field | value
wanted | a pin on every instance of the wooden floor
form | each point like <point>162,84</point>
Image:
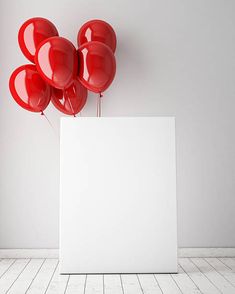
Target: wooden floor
<point>196,275</point>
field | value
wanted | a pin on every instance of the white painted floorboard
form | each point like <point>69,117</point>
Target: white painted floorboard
<point>221,268</point>
<point>131,284</point>
<point>25,279</point>
<point>195,276</point>
<point>58,284</point>
<point>112,284</point>
<point>167,284</point>
<point>217,279</point>
<point>94,284</point>
<point>230,262</point>
<point>41,282</point>
<point>76,284</point>
<point>11,275</point>
<point>4,265</point>
<point>149,284</point>
<point>185,283</point>
<point>202,282</point>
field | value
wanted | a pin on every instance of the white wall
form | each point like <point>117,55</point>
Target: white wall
<point>174,57</point>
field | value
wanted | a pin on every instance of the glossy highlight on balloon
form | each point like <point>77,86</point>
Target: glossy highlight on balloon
<point>28,89</point>
<point>97,30</point>
<point>32,33</point>
<point>57,62</point>
<point>70,101</point>
<point>97,66</point>
<point>61,73</point>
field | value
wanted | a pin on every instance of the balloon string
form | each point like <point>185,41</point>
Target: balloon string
<point>100,104</point>
<point>97,106</point>
<point>42,113</point>
<point>70,104</point>
<point>98,110</point>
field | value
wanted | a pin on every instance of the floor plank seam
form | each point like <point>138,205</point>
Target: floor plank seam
<point>66,285</point>
<point>8,268</point>
<point>51,277</point>
<point>176,284</point>
<point>85,285</point>
<point>225,264</point>
<point>120,276</point>
<point>206,277</point>
<point>139,283</point>
<point>158,284</point>
<point>191,279</point>
<point>18,275</point>
<point>219,273</point>
<point>35,275</point>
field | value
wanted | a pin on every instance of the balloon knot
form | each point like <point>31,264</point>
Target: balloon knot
<point>101,95</point>
<point>74,115</point>
<point>42,113</point>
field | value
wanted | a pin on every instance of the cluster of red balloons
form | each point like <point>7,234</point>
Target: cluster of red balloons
<point>61,73</point>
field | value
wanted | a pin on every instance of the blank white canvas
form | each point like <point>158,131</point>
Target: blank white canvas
<point>118,195</point>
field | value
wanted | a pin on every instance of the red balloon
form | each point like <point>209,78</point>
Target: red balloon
<point>28,89</point>
<point>57,62</point>
<point>71,100</point>
<point>32,33</point>
<point>97,66</point>
<point>97,30</point>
